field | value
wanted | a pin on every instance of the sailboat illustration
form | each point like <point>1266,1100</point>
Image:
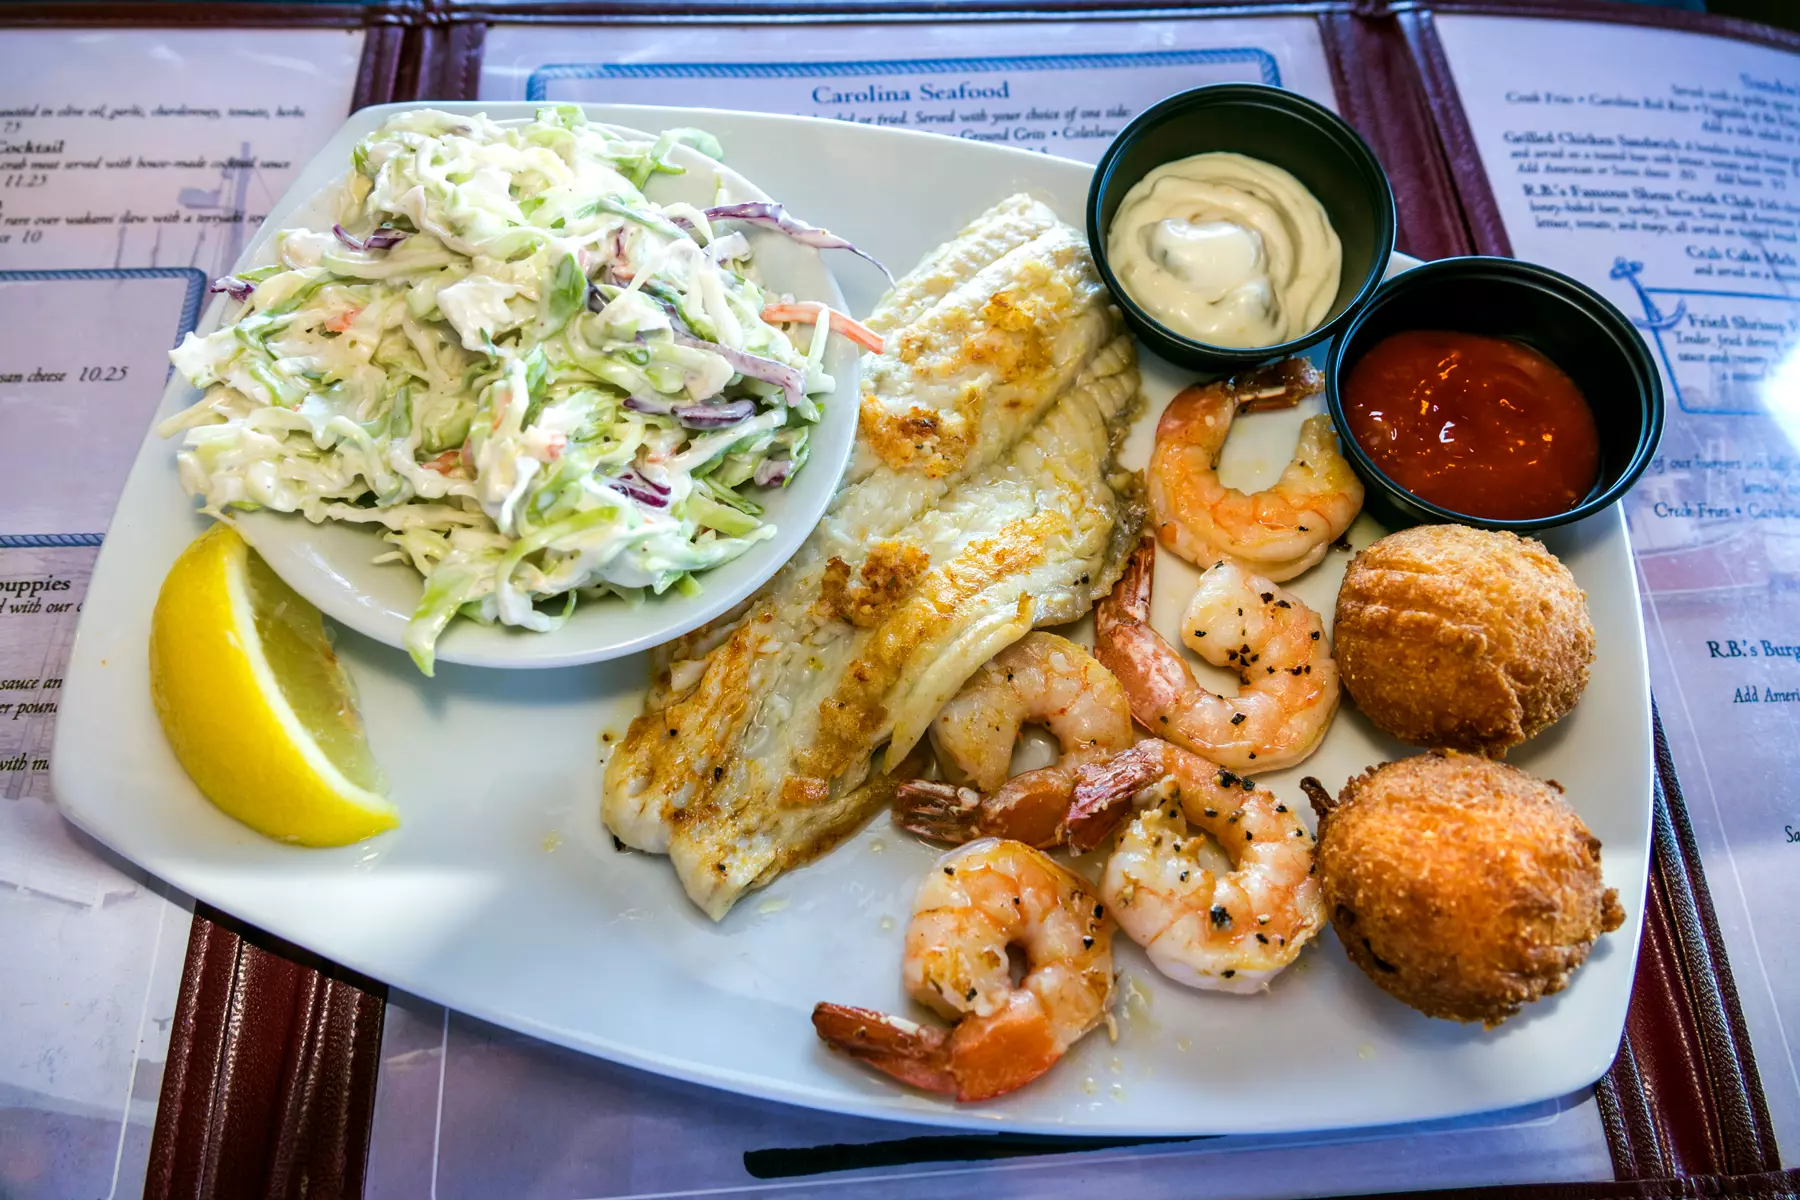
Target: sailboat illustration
<point>229,198</point>
<point>1654,318</point>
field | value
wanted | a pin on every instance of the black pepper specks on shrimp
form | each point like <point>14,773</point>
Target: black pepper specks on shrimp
<point>1004,1033</point>
<point>1283,707</point>
<point>1232,930</point>
<point>1278,532</point>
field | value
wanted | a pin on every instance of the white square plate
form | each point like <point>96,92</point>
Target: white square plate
<point>501,895</point>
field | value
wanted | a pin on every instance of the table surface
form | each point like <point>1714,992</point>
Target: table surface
<point>192,132</point>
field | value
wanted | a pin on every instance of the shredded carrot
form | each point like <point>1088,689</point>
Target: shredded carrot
<point>808,312</point>
<point>341,321</point>
<point>444,463</point>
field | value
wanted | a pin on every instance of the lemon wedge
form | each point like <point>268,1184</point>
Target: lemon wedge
<point>256,705</point>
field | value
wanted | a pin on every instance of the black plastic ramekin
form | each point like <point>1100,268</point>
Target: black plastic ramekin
<point>1307,140</point>
<point>1567,322</point>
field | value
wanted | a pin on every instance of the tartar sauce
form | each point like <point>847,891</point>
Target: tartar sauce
<point>1227,249</point>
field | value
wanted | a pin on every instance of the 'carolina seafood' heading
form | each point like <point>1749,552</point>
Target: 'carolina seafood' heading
<point>875,93</point>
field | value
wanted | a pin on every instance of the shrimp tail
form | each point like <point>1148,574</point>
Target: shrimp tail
<point>1033,808</point>
<point>1129,603</point>
<point>1106,792</point>
<point>1322,801</point>
<point>1002,1053</point>
<point>918,1055</point>
<point>1154,676</point>
<point>1276,385</point>
<point>937,812</point>
<point>1093,815</point>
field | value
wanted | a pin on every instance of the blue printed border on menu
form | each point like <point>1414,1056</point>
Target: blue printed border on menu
<point>537,86</point>
<point>190,316</point>
<point>1654,328</point>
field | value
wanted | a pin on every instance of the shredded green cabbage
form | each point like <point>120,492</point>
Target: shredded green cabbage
<point>519,389</point>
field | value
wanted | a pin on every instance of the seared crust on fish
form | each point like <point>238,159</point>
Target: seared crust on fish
<point>755,754</point>
<point>865,597</point>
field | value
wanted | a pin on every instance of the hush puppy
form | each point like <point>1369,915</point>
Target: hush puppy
<point>1462,638</point>
<point>1461,886</point>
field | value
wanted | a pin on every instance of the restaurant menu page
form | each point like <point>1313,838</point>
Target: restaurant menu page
<point>1063,88</point>
<point>465,1109</point>
<point>134,164</point>
<point>1663,169</point>
<point>158,148</point>
<point>574,1126</point>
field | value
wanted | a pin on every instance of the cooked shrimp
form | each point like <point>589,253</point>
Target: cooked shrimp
<point>1239,621</point>
<point>979,901</point>
<point>1041,678</point>
<point>1277,532</point>
<point>1230,932</point>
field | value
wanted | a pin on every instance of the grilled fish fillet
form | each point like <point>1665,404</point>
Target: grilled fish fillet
<point>754,755</point>
<point>975,367</point>
<point>970,374</point>
<point>1004,227</point>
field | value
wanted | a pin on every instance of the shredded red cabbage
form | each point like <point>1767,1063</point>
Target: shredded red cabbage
<point>231,285</point>
<point>774,216</point>
<point>644,404</point>
<point>645,491</point>
<point>714,416</point>
<point>771,472</point>
<point>382,239</point>
<point>661,489</point>
<point>752,366</point>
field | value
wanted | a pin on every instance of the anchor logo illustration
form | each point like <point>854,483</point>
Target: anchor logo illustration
<point>1653,318</point>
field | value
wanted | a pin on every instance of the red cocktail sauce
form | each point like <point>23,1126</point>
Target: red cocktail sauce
<point>1484,426</point>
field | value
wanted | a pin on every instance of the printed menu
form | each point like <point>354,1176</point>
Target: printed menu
<point>1663,169</point>
<point>158,148</point>
<point>1058,87</point>
<point>604,1130</point>
<point>579,1126</point>
<point>134,164</point>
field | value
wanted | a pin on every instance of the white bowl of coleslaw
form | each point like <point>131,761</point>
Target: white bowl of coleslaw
<point>523,393</point>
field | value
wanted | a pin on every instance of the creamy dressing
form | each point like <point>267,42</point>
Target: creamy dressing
<point>484,384</point>
<point>1227,250</point>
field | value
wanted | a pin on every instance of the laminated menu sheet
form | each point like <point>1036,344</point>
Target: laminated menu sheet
<point>1060,87</point>
<point>175,142</point>
<point>157,147</point>
<point>576,1126</point>
<point>464,1109</point>
<point>134,164</point>
<point>1663,169</point>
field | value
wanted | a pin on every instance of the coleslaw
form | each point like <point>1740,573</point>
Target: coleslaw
<point>539,383</point>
